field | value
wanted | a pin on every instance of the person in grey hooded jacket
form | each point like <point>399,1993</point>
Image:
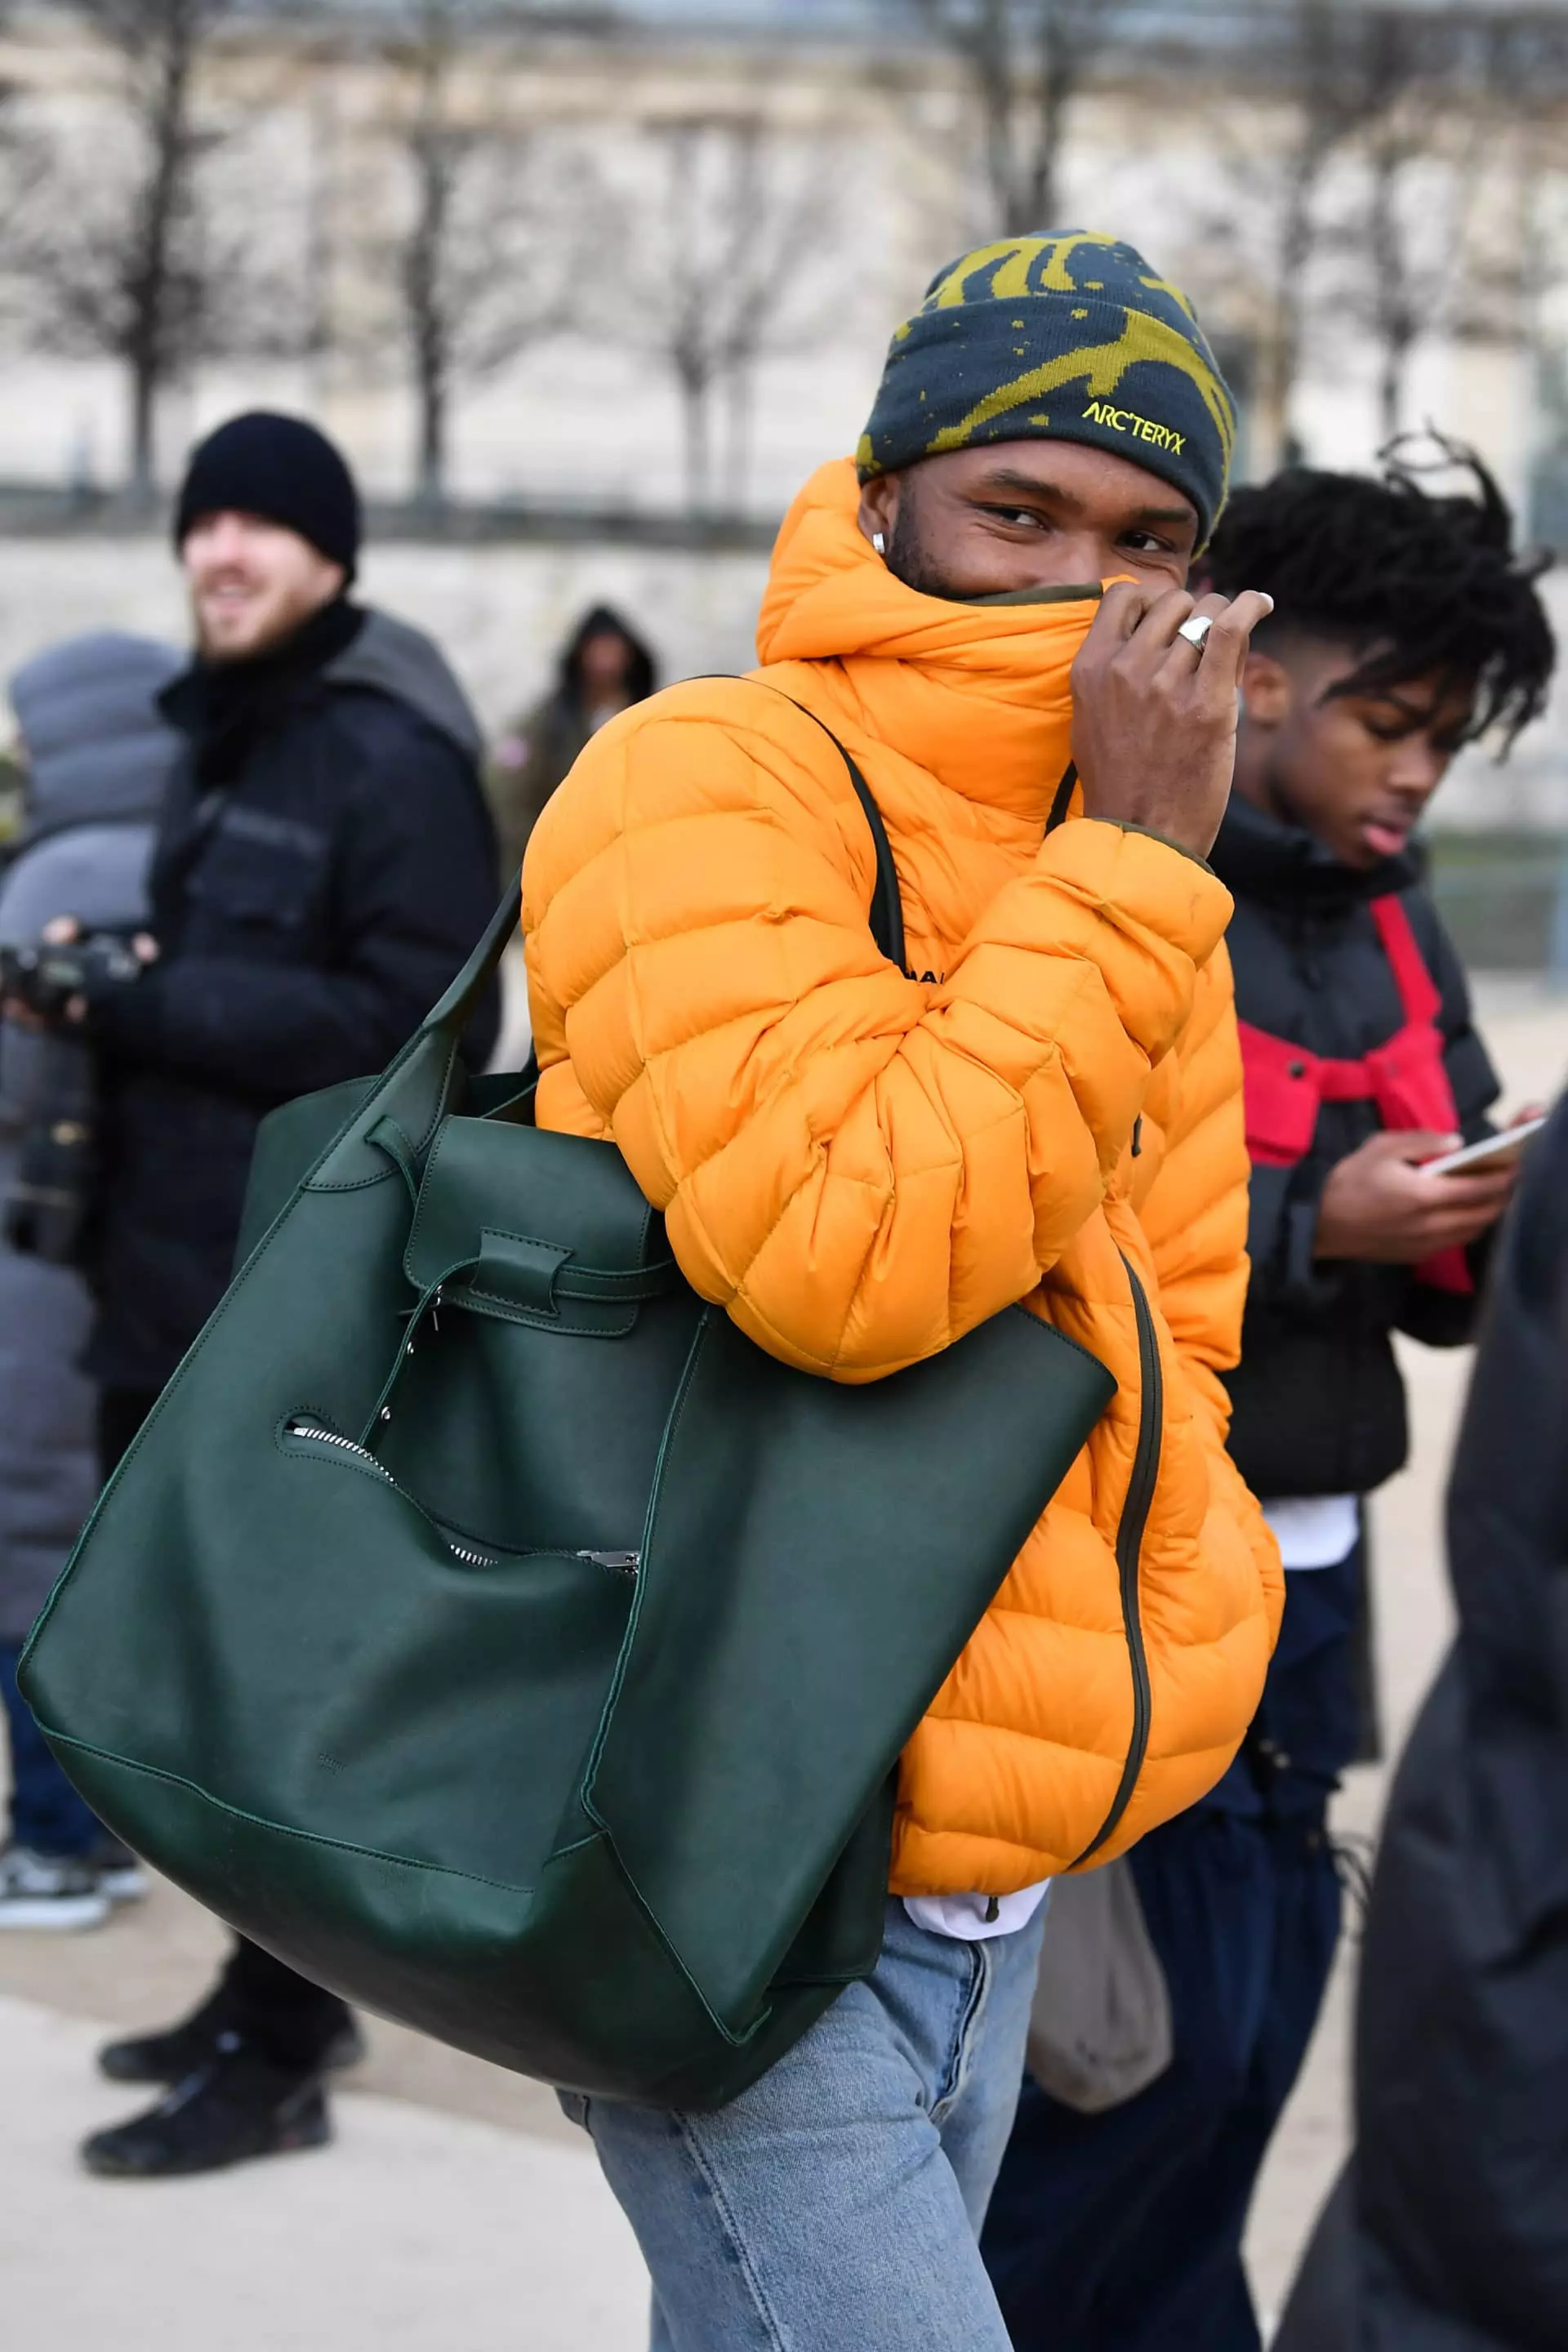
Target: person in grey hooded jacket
<point>98,755</point>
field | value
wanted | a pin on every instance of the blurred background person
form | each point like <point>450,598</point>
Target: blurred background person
<point>97,754</point>
<point>324,863</point>
<point>605,668</point>
<point>1448,2228</point>
<point>1405,626</point>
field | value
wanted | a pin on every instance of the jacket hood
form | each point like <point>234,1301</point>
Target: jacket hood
<point>99,749</point>
<point>977,693</point>
<point>392,658</point>
<point>603,620</point>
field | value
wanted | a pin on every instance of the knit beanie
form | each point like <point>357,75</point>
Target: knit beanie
<point>279,468</point>
<point>1067,337</point>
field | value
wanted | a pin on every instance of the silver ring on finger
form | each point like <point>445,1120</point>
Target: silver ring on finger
<point>1197,629</point>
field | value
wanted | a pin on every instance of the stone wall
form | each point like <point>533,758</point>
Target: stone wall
<point>502,612</point>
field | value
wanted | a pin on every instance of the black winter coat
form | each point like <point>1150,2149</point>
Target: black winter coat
<point>1318,1399</point>
<point>1449,2230</point>
<point>325,862</point>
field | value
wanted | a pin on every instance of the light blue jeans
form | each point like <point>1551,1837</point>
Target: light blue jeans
<point>836,2206</point>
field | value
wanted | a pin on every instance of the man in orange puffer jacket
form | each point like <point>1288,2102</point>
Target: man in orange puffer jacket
<point>988,613</point>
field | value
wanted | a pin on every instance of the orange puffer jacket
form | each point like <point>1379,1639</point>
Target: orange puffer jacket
<point>861,1164</point>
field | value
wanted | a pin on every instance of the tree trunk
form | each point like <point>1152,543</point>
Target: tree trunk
<point>1282,350</point>
<point>143,387</point>
<point>738,453</point>
<point>1062,50</point>
<point>1395,362</point>
<point>694,407</point>
<point>1395,329</point>
<point>430,473</point>
<point>151,345</point>
<point>991,57</point>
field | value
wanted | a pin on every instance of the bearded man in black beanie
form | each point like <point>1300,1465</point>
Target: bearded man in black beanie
<point>324,863</point>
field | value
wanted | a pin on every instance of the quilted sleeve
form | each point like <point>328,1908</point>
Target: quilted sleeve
<point>1194,1218</point>
<point>859,1166</point>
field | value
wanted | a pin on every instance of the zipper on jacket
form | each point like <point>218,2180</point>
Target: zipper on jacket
<point>1129,1548</point>
<point>619,1563</point>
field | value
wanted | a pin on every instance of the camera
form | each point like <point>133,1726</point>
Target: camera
<point>48,1207</point>
<point>45,978</point>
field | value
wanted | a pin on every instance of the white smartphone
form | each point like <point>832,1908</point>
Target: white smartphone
<point>1491,1151</point>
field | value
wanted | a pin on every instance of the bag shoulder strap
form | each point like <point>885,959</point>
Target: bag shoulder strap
<point>1418,991</point>
<point>887,911</point>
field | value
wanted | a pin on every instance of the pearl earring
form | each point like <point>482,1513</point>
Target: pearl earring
<point>879,542</point>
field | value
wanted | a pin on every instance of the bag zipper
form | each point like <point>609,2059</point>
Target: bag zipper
<point>620,1563</point>
<point>1130,1545</point>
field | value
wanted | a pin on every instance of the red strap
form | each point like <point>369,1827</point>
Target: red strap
<point>1419,991</point>
<point>1406,1076</point>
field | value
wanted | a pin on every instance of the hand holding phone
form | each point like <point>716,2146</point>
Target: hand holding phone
<point>1491,1153</point>
<point>1384,1202</point>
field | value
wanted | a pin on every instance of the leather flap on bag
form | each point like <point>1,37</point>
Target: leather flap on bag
<point>536,1227</point>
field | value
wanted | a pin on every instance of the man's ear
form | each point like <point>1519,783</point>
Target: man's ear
<point>1266,691</point>
<point>879,507</point>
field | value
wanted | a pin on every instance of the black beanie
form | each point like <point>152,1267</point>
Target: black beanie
<point>279,468</point>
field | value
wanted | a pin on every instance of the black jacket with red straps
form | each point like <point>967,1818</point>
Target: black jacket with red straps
<point>1318,1398</point>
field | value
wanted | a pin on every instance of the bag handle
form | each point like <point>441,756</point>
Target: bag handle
<point>451,1011</point>
<point>886,916</point>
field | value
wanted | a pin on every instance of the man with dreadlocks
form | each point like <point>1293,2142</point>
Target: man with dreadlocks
<point>1403,626</point>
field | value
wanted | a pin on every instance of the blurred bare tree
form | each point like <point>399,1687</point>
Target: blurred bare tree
<point>494,215</point>
<point>1366,212</point>
<point>1443,90</point>
<point>112,250</point>
<point>1407,276</point>
<point>1320,54</point>
<point>714,269</point>
<point>1026,62</point>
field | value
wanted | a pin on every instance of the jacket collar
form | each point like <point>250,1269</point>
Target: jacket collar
<point>1257,857</point>
<point>226,708</point>
<point>977,694</point>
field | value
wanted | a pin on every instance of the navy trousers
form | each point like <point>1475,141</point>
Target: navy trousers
<point>1122,2232</point>
<point>46,1814</point>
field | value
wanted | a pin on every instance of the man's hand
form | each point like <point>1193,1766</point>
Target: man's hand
<point>1154,719</point>
<point>1380,1203</point>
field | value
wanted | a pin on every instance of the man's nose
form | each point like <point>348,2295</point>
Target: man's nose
<point>1418,768</point>
<point>224,542</point>
<point>1082,556</point>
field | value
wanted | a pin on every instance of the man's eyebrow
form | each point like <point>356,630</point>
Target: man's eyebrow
<point>1004,477</point>
<point>1430,708</point>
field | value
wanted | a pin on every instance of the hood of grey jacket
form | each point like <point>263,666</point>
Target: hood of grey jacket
<point>99,749</point>
<point>392,658</point>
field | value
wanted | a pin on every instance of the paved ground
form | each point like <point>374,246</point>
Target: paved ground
<point>459,2212</point>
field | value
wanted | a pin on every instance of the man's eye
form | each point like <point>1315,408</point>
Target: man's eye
<point>1146,542</point>
<point>1027,515</point>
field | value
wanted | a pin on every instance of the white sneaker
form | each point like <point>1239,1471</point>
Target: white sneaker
<point>116,1871</point>
<point>42,1890</point>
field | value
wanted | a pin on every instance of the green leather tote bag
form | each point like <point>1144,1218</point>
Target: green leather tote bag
<point>486,1628</point>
